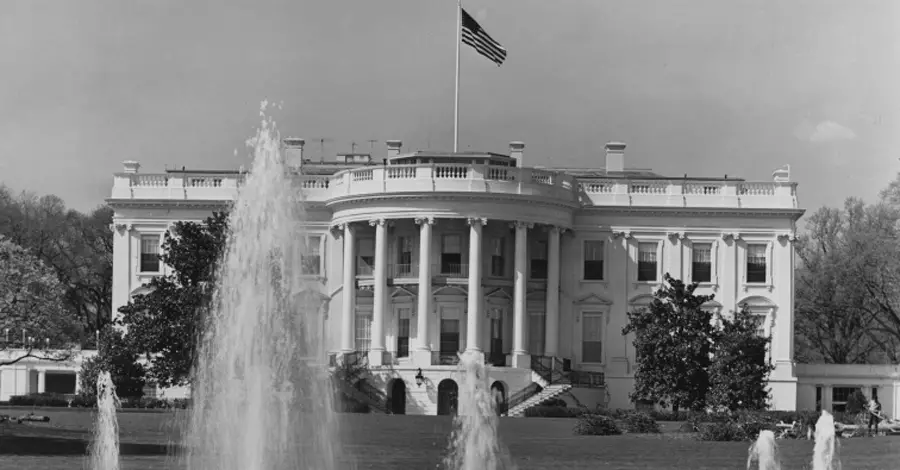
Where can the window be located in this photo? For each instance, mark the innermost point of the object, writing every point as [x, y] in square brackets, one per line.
[451, 255]
[403, 334]
[818, 398]
[875, 393]
[701, 262]
[647, 261]
[365, 265]
[592, 337]
[150, 262]
[311, 258]
[760, 319]
[839, 396]
[539, 260]
[449, 337]
[536, 322]
[363, 331]
[593, 260]
[756, 263]
[404, 256]
[498, 262]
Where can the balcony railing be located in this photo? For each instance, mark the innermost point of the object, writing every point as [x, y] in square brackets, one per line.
[407, 270]
[440, 358]
[455, 270]
[589, 191]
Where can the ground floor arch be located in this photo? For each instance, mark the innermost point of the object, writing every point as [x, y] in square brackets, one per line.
[397, 396]
[498, 391]
[448, 393]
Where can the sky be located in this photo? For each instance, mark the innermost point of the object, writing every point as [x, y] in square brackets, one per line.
[703, 87]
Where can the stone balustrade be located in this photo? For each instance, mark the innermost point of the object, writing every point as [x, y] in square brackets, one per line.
[462, 178]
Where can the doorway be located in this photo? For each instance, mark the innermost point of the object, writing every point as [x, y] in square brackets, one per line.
[498, 391]
[448, 392]
[398, 397]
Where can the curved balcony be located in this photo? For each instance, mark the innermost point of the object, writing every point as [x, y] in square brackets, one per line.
[453, 178]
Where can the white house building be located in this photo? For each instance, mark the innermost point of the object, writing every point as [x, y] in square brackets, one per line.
[423, 254]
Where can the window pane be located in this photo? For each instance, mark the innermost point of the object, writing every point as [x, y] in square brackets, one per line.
[150, 262]
[701, 265]
[593, 250]
[497, 246]
[647, 262]
[366, 247]
[539, 250]
[363, 331]
[451, 244]
[310, 261]
[756, 263]
[591, 337]
[536, 334]
[403, 337]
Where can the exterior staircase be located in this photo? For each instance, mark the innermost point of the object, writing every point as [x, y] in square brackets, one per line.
[548, 392]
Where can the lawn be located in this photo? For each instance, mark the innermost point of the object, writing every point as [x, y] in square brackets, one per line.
[418, 442]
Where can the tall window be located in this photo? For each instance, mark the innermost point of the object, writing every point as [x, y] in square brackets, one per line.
[839, 397]
[593, 260]
[365, 264]
[592, 337]
[701, 262]
[403, 332]
[449, 337]
[363, 331]
[539, 260]
[647, 262]
[760, 320]
[536, 333]
[404, 256]
[451, 255]
[756, 263]
[311, 259]
[150, 262]
[498, 262]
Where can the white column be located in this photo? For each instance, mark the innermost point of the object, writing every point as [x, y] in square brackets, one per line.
[551, 329]
[376, 352]
[423, 349]
[475, 314]
[519, 354]
[348, 301]
[42, 381]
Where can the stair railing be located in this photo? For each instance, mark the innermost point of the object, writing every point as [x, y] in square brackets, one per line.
[519, 397]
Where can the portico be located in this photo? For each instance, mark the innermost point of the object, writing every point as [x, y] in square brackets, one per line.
[450, 304]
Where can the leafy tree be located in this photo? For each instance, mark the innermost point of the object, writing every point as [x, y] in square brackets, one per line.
[78, 247]
[165, 323]
[740, 370]
[116, 357]
[31, 302]
[673, 342]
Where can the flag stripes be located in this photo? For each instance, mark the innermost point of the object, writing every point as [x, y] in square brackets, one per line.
[480, 40]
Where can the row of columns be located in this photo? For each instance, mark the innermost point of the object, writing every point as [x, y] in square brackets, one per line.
[475, 311]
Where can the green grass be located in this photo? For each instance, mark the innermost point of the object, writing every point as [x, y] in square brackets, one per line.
[419, 442]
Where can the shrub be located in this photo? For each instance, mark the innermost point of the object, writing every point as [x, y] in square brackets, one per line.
[721, 431]
[544, 411]
[640, 423]
[856, 402]
[738, 426]
[39, 399]
[115, 357]
[591, 424]
[554, 402]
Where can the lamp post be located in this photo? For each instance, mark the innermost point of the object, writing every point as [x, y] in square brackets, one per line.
[419, 378]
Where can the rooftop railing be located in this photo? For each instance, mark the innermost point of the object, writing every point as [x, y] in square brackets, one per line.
[449, 178]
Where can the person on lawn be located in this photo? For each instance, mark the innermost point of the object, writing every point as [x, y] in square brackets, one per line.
[874, 409]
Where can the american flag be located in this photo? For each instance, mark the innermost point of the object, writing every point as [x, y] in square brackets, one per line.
[478, 38]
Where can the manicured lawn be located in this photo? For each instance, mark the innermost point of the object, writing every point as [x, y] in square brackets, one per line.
[418, 442]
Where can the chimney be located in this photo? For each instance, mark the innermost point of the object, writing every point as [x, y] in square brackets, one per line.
[293, 151]
[516, 150]
[393, 147]
[782, 175]
[615, 157]
[131, 166]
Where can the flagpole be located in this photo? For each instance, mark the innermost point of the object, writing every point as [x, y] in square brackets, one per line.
[456, 87]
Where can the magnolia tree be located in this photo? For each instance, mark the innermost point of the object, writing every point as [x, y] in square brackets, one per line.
[164, 325]
[33, 319]
[688, 358]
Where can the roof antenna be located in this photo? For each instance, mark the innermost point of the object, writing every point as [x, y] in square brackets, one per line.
[372, 145]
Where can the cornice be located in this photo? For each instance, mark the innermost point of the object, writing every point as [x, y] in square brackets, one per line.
[118, 203]
[699, 211]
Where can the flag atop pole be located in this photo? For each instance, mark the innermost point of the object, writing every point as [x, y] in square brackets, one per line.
[470, 32]
[474, 35]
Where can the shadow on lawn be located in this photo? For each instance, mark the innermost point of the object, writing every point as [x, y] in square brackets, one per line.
[44, 445]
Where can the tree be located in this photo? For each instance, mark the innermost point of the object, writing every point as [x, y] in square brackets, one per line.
[164, 325]
[740, 370]
[673, 342]
[116, 357]
[32, 303]
[831, 318]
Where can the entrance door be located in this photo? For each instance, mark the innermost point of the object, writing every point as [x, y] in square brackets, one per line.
[450, 334]
[447, 397]
[398, 397]
[497, 357]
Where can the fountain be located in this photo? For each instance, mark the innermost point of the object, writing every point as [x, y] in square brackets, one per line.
[764, 452]
[825, 451]
[260, 398]
[104, 450]
[474, 444]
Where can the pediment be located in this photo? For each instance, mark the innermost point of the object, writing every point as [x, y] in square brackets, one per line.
[592, 299]
[499, 294]
[402, 292]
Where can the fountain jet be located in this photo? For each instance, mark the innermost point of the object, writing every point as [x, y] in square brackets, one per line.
[104, 450]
